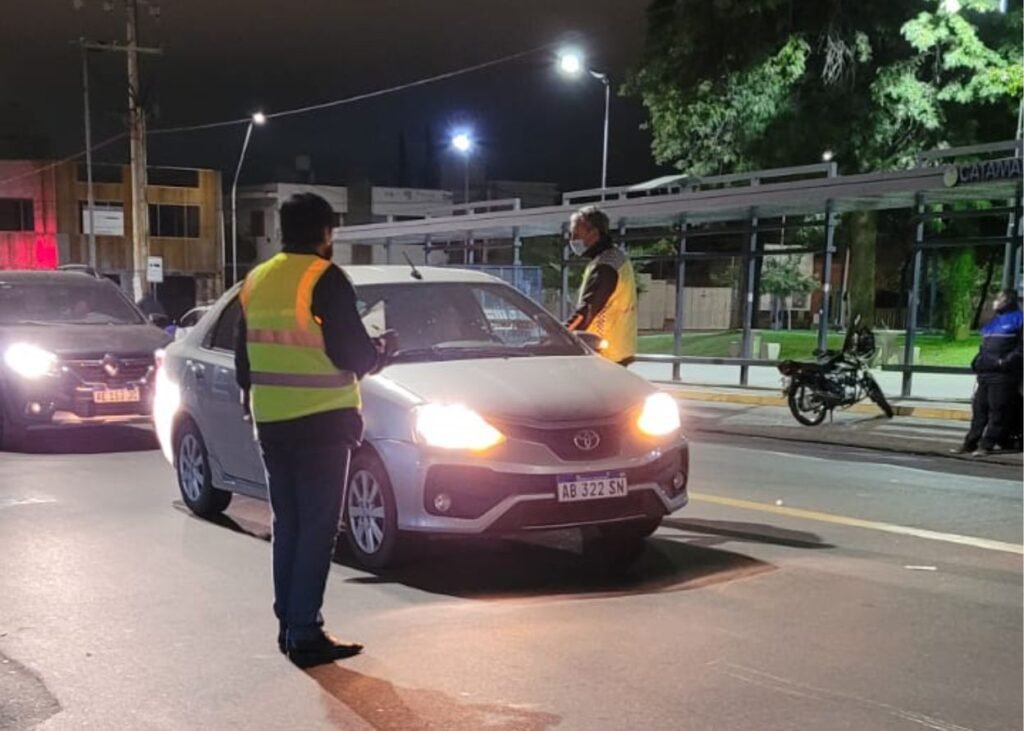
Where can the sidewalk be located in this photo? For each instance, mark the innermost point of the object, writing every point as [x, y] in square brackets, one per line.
[924, 428]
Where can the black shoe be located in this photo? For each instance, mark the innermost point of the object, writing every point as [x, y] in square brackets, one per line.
[320, 651]
[282, 638]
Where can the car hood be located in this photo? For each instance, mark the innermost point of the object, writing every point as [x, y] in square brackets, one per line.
[542, 389]
[88, 340]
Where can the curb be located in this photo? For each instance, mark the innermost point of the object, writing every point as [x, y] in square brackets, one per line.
[764, 399]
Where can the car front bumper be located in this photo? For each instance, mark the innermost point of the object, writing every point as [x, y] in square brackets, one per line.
[64, 400]
[502, 496]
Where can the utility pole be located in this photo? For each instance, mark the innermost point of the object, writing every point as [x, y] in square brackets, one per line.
[90, 197]
[137, 135]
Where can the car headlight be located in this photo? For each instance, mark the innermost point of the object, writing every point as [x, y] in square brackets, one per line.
[455, 427]
[660, 416]
[30, 361]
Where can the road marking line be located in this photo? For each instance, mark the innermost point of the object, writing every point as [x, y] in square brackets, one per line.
[903, 530]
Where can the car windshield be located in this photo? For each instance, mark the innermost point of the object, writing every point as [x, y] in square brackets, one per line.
[447, 321]
[87, 302]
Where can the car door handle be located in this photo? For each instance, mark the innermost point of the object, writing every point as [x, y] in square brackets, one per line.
[198, 370]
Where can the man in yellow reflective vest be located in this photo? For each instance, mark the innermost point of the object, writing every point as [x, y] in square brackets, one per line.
[607, 301]
[300, 353]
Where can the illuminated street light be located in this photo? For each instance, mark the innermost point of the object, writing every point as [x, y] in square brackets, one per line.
[258, 119]
[571, 63]
[462, 142]
[827, 156]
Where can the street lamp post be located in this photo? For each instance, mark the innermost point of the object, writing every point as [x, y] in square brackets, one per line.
[571, 64]
[462, 142]
[257, 119]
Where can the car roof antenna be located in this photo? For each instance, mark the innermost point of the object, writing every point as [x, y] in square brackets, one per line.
[415, 274]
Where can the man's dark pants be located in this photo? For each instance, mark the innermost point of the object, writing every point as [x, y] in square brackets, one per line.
[992, 413]
[306, 484]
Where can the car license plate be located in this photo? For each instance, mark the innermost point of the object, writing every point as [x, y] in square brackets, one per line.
[116, 396]
[576, 488]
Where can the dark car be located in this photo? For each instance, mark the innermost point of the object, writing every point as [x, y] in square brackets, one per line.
[73, 350]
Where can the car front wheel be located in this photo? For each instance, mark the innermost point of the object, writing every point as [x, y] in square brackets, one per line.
[371, 516]
[192, 463]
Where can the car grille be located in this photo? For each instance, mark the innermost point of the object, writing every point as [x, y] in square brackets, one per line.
[562, 440]
[94, 371]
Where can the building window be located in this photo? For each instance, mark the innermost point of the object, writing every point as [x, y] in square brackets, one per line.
[335, 219]
[100, 173]
[362, 254]
[173, 177]
[257, 223]
[172, 221]
[16, 214]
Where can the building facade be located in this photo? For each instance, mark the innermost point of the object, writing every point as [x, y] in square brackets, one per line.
[45, 222]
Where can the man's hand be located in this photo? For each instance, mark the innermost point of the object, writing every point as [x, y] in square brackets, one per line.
[387, 345]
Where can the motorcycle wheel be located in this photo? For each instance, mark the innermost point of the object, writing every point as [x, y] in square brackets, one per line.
[876, 395]
[805, 405]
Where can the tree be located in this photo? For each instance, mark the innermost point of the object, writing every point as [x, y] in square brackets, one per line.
[783, 278]
[733, 85]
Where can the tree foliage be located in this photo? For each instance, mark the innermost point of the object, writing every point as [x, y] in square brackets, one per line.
[741, 84]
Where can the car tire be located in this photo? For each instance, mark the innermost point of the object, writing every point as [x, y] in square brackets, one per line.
[192, 465]
[10, 433]
[370, 514]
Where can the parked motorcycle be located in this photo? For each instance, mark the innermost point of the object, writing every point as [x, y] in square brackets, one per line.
[835, 379]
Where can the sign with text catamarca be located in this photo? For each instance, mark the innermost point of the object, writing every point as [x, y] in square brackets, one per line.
[985, 171]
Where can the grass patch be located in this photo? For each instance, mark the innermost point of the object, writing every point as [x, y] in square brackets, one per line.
[800, 344]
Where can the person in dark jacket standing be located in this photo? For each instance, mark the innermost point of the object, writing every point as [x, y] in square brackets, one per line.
[301, 351]
[1000, 367]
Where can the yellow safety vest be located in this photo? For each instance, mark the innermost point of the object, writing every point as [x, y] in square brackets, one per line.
[292, 376]
[616, 323]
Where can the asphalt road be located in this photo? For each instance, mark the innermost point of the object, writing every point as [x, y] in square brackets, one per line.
[805, 587]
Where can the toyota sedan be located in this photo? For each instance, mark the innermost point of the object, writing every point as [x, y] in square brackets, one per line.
[491, 419]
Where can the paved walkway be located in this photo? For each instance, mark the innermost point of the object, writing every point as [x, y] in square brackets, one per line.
[867, 429]
[931, 386]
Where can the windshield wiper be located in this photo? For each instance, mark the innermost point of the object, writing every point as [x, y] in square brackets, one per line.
[436, 352]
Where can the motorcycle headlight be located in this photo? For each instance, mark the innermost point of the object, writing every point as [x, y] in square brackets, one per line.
[660, 416]
[455, 427]
[30, 361]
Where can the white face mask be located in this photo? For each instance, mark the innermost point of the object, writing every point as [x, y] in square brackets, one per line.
[578, 246]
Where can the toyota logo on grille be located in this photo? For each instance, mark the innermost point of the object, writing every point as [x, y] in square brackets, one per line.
[111, 365]
[587, 440]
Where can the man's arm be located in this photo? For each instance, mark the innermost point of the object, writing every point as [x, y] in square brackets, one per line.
[596, 293]
[243, 373]
[345, 339]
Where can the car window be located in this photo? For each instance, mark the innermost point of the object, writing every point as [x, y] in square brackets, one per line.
[79, 301]
[456, 320]
[225, 331]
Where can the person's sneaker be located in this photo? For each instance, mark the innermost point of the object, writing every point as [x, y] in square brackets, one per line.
[981, 452]
[961, 450]
[320, 650]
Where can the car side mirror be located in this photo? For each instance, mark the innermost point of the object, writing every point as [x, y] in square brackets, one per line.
[161, 321]
[593, 341]
[181, 332]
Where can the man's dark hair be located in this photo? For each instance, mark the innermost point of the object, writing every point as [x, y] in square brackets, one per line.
[1012, 299]
[595, 217]
[304, 217]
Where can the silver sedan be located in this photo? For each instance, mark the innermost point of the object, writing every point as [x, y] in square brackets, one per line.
[492, 418]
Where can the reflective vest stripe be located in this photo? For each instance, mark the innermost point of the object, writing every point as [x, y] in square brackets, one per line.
[286, 337]
[304, 293]
[304, 380]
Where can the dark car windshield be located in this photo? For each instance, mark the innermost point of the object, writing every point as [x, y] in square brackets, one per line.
[79, 302]
[447, 321]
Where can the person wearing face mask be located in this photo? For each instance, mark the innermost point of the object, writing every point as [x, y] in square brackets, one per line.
[996, 408]
[300, 354]
[607, 303]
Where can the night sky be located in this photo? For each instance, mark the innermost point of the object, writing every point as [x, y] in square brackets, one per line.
[226, 58]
